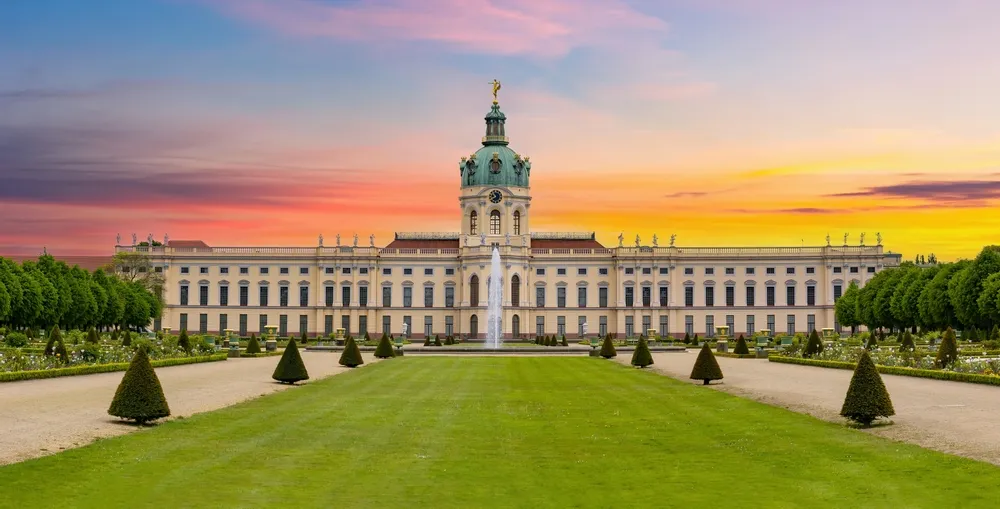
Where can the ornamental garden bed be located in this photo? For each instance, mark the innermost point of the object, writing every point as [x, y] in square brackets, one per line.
[89, 369]
[987, 376]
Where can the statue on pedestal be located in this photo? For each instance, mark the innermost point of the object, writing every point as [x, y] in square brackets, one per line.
[878, 238]
[371, 240]
[862, 238]
[506, 238]
[338, 240]
[134, 241]
[656, 241]
[621, 239]
[845, 239]
[637, 240]
[321, 240]
[405, 329]
[673, 237]
[827, 240]
[166, 239]
[355, 240]
[482, 239]
[118, 239]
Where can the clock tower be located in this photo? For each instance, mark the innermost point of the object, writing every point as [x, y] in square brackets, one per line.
[495, 196]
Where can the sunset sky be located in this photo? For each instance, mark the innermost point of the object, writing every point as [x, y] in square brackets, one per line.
[727, 122]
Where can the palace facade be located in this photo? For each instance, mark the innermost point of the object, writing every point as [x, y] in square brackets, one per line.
[553, 282]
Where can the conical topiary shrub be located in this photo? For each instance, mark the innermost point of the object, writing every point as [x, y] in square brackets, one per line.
[184, 342]
[304, 338]
[741, 346]
[437, 340]
[351, 356]
[564, 342]
[290, 368]
[947, 352]
[814, 346]
[427, 341]
[995, 334]
[706, 368]
[872, 342]
[139, 396]
[641, 356]
[687, 338]
[384, 348]
[907, 344]
[971, 335]
[92, 336]
[367, 337]
[866, 398]
[114, 335]
[60, 350]
[127, 339]
[55, 336]
[608, 348]
[253, 346]
[695, 340]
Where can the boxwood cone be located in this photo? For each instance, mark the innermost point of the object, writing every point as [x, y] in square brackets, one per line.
[290, 368]
[384, 348]
[706, 368]
[139, 396]
[127, 339]
[741, 346]
[92, 336]
[427, 341]
[687, 338]
[351, 356]
[947, 353]
[437, 340]
[608, 348]
[114, 335]
[253, 346]
[907, 344]
[60, 350]
[866, 398]
[814, 346]
[304, 339]
[641, 356]
[872, 341]
[54, 337]
[183, 342]
[564, 342]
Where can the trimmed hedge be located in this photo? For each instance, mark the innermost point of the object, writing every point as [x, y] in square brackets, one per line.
[934, 374]
[261, 354]
[736, 355]
[14, 376]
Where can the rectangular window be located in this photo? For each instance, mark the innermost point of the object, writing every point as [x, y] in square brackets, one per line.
[664, 271]
[750, 271]
[262, 323]
[871, 270]
[602, 327]
[449, 272]
[647, 323]
[244, 270]
[770, 295]
[345, 270]
[689, 296]
[770, 324]
[264, 271]
[810, 270]
[345, 323]
[581, 272]
[223, 323]
[407, 296]
[449, 296]
[283, 296]
[709, 296]
[386, 271]
[362, 326]
[751, 296]
[838, 270]
[689, 325]
[184, 321]
[243, 324]
[363, 296]
[223, 295]
[184, 295]
[203, 270]
[709, 271]
[731, 323]
[283, 270]
[203, 295]
[750, 325]
[561, 296]
[428, 272]
[854, 270]
[629, 296]
[328, 270]
[789, 295]
[769, 271]
[709, 326]
[329, 295]
[560, 272]
[428, 326]
[223, 270]
[262, 296]
[449, 326]
[647, 296]
[664, 326]
[791, 324]
[386, 324]
[539, 272]
[810, 323]
[837, 292]
[810, 295]
[387, 296]
[730, 271]
[303, 296]
[283, 325]
[428, 296]
[664, 296]
[602, 271]
[561, 326]
[629, 326]
[185, 270]
[688, 271]
[303, 271]
[540, 296]
[790, 270]
[345, 296]
[581, 296]
[303, 324]
[539, 325]
[328, 325]
[730, 296]
[602, 296]
[629, 271]
[203, 323]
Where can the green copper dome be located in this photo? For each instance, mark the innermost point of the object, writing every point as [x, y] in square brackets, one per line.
[495, 164]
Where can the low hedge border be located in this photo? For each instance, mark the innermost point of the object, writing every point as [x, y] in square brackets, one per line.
[934, 374]
[262, 354]
[14, 376]
[732, 355]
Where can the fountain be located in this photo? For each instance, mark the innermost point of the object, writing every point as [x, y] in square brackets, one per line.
[494, 304]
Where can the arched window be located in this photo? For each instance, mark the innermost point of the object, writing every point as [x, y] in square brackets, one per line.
[495, 222]
[515, 325]
[517, 222]
[515, 290]
[474, 291]
[473, 222]
[473, 326]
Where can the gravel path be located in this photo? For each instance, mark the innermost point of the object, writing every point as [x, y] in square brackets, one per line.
[952, 417]
[40, 417]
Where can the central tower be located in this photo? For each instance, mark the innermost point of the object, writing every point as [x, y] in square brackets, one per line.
[495, 195]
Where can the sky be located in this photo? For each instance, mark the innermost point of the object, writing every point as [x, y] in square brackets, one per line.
[725, 122]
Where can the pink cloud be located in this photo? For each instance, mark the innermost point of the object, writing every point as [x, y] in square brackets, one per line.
[547, 28]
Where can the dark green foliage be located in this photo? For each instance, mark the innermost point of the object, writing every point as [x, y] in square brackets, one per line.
[866, 398]
[814, 346]
[872, 341]
[16, 339]
[427, 341]
[290, 368]
[907, 343]
[184, 342]
[972, 334]
[384, 349]
[304, 338]
[30, 333]
[139, 396]
[60, 350]
[947, 352]
[695, 339]
[687, 338]
[127, 339]
[608, 348]
[741, 346]
[367, 337]
[92, 336]
[437, 340]
[706, 368]
[55, 336]
[114, 335]
[448, 340]
[641, 356]
[564, 342]
[881, 336]
[351, 356]
[253, 346]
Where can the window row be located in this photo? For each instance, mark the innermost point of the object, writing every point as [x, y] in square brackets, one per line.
[751, 325]
[494, 223]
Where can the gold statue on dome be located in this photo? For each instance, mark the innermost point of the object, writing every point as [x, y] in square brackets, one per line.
[496, 88]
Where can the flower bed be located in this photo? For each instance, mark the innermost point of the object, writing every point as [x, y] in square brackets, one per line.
[987, 378]
[88, 369]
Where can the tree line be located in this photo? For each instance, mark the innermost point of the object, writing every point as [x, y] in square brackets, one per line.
[962, 295]
[48, 292]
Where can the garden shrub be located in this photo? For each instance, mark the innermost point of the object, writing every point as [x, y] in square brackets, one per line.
[447, 340]
[184, 342]
[947, 352]
[608, 348]
[741, 346]
[253, 346]
[16, 339]
[384, 348]
[114, 335]
[60, 350]
[907, 344]
[995, 334]
[367, 337]
[706, 368]
[971, 335]
[290, 368]
[564, 343]
[351, 356]
[92, 336]
[641, 356]
[304, 339]
[139, 396]
[127, 340]
[872, 342]
[867, 399]
[814, 346]
[30, 333]
[88, 351]
[437, 340]
[695, 340]
[427, 341]
[687, 338]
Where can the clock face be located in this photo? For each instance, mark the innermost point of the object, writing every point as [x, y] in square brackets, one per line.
[495, 196]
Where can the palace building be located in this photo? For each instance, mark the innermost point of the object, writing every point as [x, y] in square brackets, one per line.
[553, 282]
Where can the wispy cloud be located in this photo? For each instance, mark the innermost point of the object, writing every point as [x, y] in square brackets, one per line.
[947, 191]
[686, 194]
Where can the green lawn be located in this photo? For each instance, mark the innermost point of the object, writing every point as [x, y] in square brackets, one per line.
[499, 432]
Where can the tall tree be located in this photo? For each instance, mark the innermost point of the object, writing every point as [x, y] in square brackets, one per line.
[903, 315]
[846, 307]
[989, 299]
[913, 292]
[866, 300]
[965, 293]
[883, 299]
[8, 277]
[936, 311]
